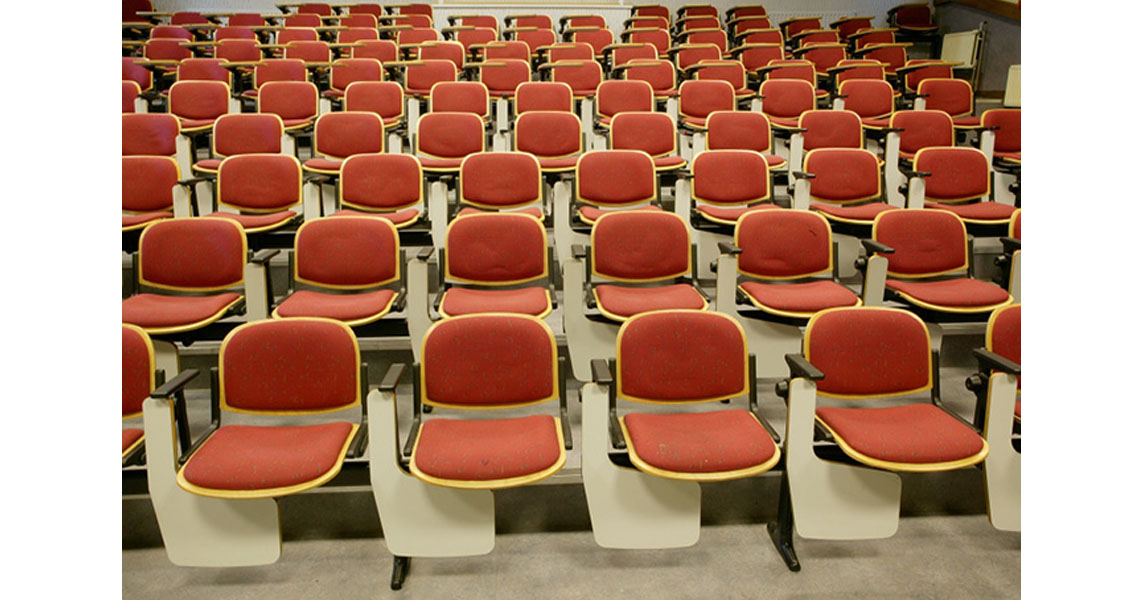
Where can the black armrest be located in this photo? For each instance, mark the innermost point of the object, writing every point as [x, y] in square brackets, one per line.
[987, 128]
[1009, 244]
[892, 130]
[315, 178]
[800, 367]
[175, 385]
[795, 130]
[909, 173]
[392, 377]
[802, 175]
[194, 180]
[262, 257]
[990, 360]
[877, 247]
[601, 372]
[727, 248]
[578, 251]
[425, 253]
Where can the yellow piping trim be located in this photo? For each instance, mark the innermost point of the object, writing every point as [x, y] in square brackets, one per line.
[954, 309]
[621, 319]
[989, 178]
[537, 185]
[906, 467]
[267, 492]
[594, 260]
[713, 476]
[316, 129]
[494, 484]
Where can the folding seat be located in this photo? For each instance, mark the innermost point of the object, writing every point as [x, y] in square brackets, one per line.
[958, 180]
[650, 10]
[258, 191]
[156, 134]
[239, 51]
[409, 38]
[138, 382]
[389, 186]
[204, 69]
[849, 487]
[779, 271]
[859, 68]
[441, 503]
[783, 101]
[914, 20]
[138, 74]
[245, 133]
[847, 26]
[197, 104]
[639, 261]
[132, 98]
[149, 186]
[724, 185]
[742, 130]
[442, 140]
[824, 129]
[534, 37]
[385, 98]
[651, 132]
[537, 21]
[934, 280]
[461, 96]
[694, 23]
[731, 71]
[1001, 142]
[490, 263]
[346, 71]
[872, 37]
[583, 77]
[171, 32]
[814, 37]
[658, 38]
[166, 50]
[661, 77]
[479, 21]
[296, 102]
[375, 10]
[219, 508]
[502, 77]
[419, 77]
[384, 51]
[617, 96]
[604, 181]
[544, 95]
[697, 100]
[553, 137]
[910, 131]
[411, 9]
[347, 266]
[339, 135]
[845, 185]
[359, 21]
[597, 38]
[657, 503]
[872, 99]
[234, 33]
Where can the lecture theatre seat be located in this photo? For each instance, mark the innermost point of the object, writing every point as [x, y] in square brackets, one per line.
[997, 386]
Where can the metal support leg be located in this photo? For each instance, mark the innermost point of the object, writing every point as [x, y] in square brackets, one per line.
[399, 571]
[781, 529]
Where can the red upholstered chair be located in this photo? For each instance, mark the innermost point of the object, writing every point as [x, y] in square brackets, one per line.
[409, 39]
[296, 102]
[341, 266]
[871, 37]
[731, 71]
[509, 50]
[471, 362]
[695, 23]
[856, 355]
[385, 98]
[353, 34]
[302, 21]
[918, 69]
[790, 27]
[444, 139]
[222, 34]
[537, 21]
[739, 27]
[346, 71]
[375, 10]
[690, 11]
[244, 133]
[314, 53]
[245, 20]
[480, 21]
[198, 103]
[544, 95]
[453, 52]
[156, 134]
[651, 132]
[659, 74]
[1001, 142]
[469, 97]
[500, 182]
[502, 77]
[472, 38]
[534, 37]
[137, 73]
[688, 55]
[913, 19]
[292, 34]
[823, 56]
[847, 26]
[618, 96]
[716, 37]
[953, 96]
[571, 21]
[565, 51]
[201, 256]
[725, 185]
[770, 281]
[845, 185]
[892, 55]
[958, 180]
[276, 69]
[553, 137]
[742, 130]
[339, 135]
[930, 269]
[813, 37]
[384, 51]
[616, 55]
[909, 132]
[823, 129]
[872, 99]
[647, 22]
[658, 38]
[239, 51]
[259, 190]
[138, 382]
[389, 186]
[638, 261]
[760, 36]
[583, 77]
[700, 98]
[757, 56]
[613, 179]
[219, 507]
[650, 10]
[316, 8]
[793, 69]
[418, 78]
[997, 386]
[670, 358]
[132, 98]
[148, 190]
[784, 100]
[171, 32]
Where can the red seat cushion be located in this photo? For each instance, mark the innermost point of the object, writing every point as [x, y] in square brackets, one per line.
[558, 164]
[968, 122]
[210, 164]
[668, 162]
[963, 293]
[861, 213]
[695, 122]
[620, 302]
[785, 122]
[533, 211]
[398, 218]
[257, 222]
[877, 123]
[155, 311]
[913, 434]
[191, 124]
[292, 123]
[774, 161]
[1010, 156]
[130, 436]
[464, 301]
[488, 450]
[802, 299]
[354, 309]
[589, 214]
[131, 221]
[706, 442]
[440, 164]
[729, 215]
[323, 164]
[248, 457]
[978, 211]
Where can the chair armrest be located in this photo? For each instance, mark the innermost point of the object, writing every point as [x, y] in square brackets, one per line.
[727, 248]
[425, 253]
[802, 175]
[392, 377]
[1008, 244]
[876, 247]
[175, 385]
[600, 369]
[800, 367]
[996, 362]
[578, 251]
[262, 256]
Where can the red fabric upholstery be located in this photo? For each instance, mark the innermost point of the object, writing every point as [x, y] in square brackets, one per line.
[783, 244]
[869, 352]
[138, 371]
[381, 181]
[505, 75]
[700, 98]
[582, 76]
[534, 211]
[352, 252]
[535, 39]
[419, 78]
[637, 245]
[730, 215]
[260, 182]
[465, 301]
[488, 360]
[953, 96]
[323, 164]
[290, 365]
[258, 222]
[199, 100]
[712, 442]
[1007, 138]
[485, 450]
[543, 95]
[596, 38]
[979, 211]
[801, 298]
[843, 174]
[134, 221]
[496, 248]
[652, 132]
[500, 179]
[922, 128]
[342, 307]
[449, 136]
[149, 134]
[913, 434]
[1003, 335]
[382, 50]
[681, 356]
[247, 134]
[591, 214]
[618, 95]
[615, 177]
[346, 71]
[280, 69]
[343, 134]
[385, 98]
[861, 213]
[624, 302]
[952, 293]
[786, 98]
[831, 129]
[246, 457]
[147, 183]
[294, 101]
[549, 134]
[130, 92]
[398, 218]
[460, 96]
[154, 311]
[210, 165]
[192, 254]
[739, 130]
[924, 241]
[130, 436]
[956, 174]
[868, 98]
[730, 177]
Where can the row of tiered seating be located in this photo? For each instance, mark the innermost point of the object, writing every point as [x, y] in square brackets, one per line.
[623, 269]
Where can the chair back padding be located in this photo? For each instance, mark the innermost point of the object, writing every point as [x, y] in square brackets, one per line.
[570, 51]
[691, 54]
[505, 74]
[131, 91]
[138, 369]
[349, 70]
[543, 95]
[203, 69]
[199, 99]
[659, 74]
[956, 174]
[954, 96]
[548, 134]
[279, 69]
[430, 72]
[620, 95]
[922, 129]
[166, 49]
[136, 73]
[449, 135]
[285, 366]
[356, 33]
[926, 242]
[238, 50]
[1007, 137]
[452, 52]
[655, 133]
[699, 98]
[787, 98]
[496, 249]
[500, 179]
[489, 360]
[731, 71]
[739, 130]
[831, 129]
[247, 133]
[869, 352]
[385, 98]
[193, 254]
[582, 76]
[417, 35]
[147, 183]
[730, 177]
[681, 356]
[615, 177]
[382, 50]
[260, 182]
[868, 98]
[309, 51]
[783, 244]
[642, 51]
[289, 99]
[347, 252]
[639, 246]
[460, 96]
[381, 181]
[843, 175]
[1003, 334]
[343, 134]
